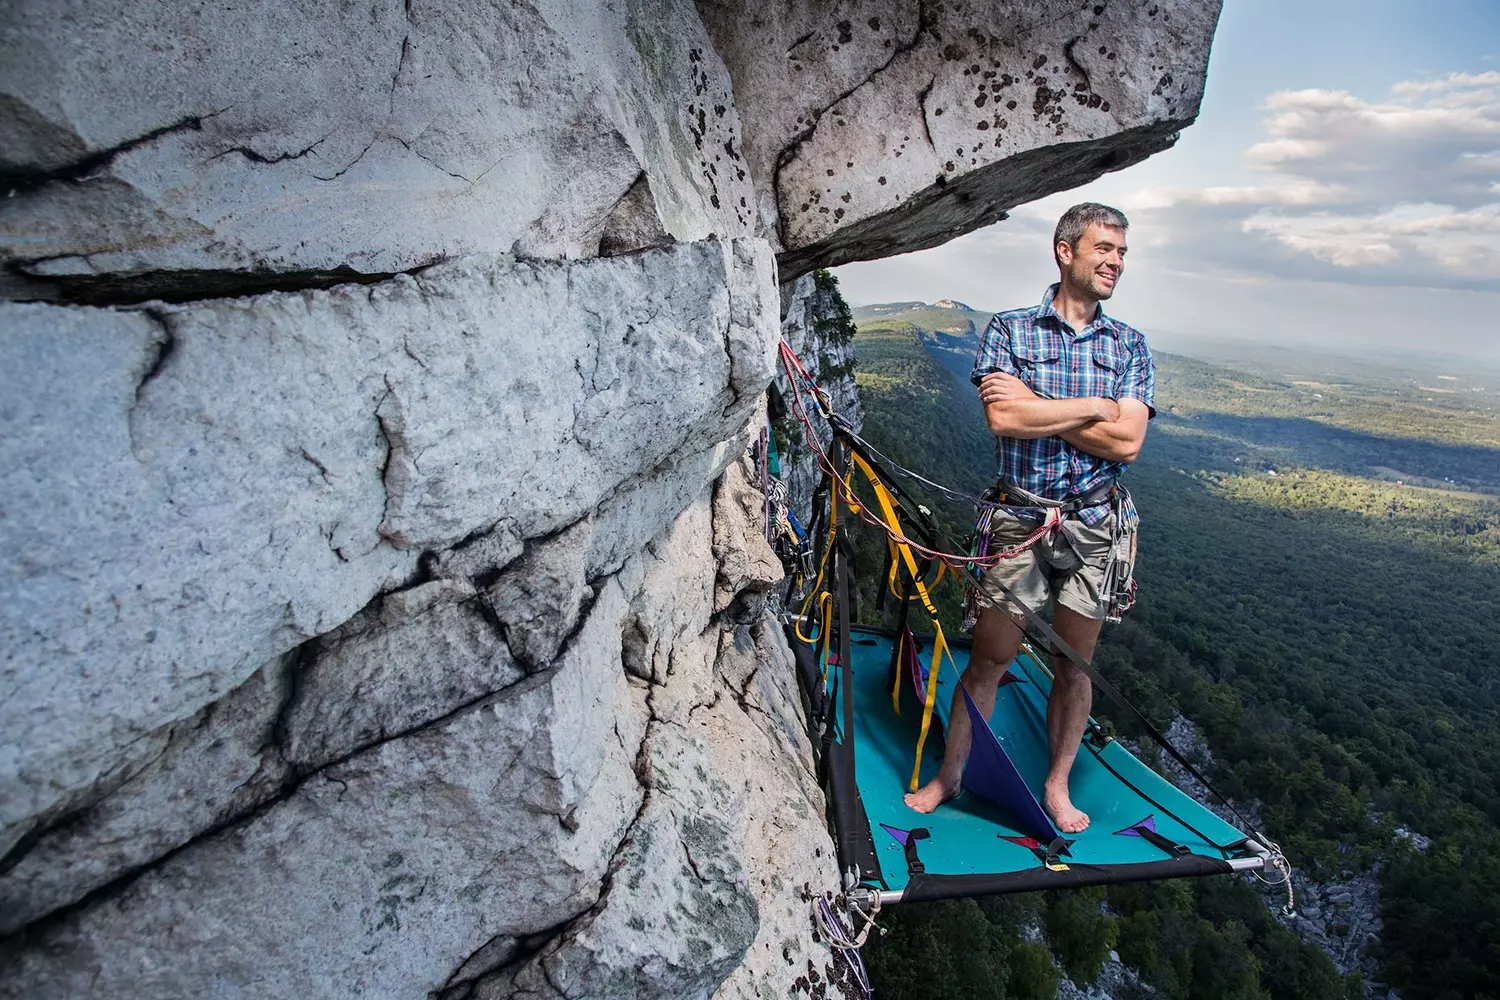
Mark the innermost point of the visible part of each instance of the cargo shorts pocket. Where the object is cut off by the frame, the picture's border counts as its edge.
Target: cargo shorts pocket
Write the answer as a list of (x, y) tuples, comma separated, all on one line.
[(1090, 543)]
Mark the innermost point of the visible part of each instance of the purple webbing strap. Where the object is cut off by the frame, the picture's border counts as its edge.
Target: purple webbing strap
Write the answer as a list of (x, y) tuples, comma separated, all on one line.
[(914, 668), (1132, 830), (901, 837)]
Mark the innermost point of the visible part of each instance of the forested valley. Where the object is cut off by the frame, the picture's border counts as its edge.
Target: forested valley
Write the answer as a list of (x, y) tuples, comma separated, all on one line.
[(1320, 595)]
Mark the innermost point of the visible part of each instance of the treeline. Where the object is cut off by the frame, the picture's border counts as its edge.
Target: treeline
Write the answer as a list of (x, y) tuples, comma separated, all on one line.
[(1187, 940)]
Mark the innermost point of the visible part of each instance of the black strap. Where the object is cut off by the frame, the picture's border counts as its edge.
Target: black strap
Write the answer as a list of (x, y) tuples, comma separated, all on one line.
[(914, 864), (1156, 840), (1162, 806), (841, 431), (817, 520), (885, 573), (846, 621), (825, 722)]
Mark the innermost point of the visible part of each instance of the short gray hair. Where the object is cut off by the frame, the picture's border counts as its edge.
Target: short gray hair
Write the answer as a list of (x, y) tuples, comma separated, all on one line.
[(1078, 218)]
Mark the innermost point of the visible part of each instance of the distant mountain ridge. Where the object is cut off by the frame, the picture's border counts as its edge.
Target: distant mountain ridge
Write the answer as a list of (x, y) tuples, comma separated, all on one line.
[(943, 316), (949, 329)]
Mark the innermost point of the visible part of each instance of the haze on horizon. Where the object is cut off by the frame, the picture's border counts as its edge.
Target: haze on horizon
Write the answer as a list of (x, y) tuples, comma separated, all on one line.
[(1339, 191)]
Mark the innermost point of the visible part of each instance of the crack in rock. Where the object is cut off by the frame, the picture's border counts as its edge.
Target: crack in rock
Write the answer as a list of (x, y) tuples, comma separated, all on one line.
[(163, 350), (547, 943), (255, 157), (687, 852), (400, 65), (1073, 61), (276, 746), (922, 107), (312, 460), (351, 164), (398, 470), (160, 352), (424, 157), (128, 288), (291, 785), (23, 182), (803, 135)]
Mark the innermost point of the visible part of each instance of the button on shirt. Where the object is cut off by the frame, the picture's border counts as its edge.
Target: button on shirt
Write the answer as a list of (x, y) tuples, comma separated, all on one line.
[(1106, 358)]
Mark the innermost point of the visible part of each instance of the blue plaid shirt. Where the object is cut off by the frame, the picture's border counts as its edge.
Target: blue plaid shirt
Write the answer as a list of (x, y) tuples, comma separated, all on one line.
[(1106, 358)]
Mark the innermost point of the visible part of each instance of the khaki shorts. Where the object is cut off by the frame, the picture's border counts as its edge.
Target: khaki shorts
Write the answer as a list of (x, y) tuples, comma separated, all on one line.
[(1066, 565)]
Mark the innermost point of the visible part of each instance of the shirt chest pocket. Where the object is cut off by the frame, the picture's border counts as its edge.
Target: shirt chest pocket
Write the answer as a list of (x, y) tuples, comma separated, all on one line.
[(1037, 361), (1107, 370)]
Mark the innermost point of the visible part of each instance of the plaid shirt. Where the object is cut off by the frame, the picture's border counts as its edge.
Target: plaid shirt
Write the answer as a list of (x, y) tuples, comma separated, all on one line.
[(1106, 358)]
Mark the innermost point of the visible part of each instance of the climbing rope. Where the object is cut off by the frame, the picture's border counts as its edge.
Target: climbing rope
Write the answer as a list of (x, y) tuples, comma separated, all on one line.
[(842, 937), (1279, 863), (894, 467)]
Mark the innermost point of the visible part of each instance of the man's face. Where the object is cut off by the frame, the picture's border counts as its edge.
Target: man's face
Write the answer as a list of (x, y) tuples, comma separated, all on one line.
[(1095, 266)]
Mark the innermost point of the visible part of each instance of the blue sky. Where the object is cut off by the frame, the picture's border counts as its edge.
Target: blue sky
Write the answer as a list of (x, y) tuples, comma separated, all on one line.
[(1341, 189)]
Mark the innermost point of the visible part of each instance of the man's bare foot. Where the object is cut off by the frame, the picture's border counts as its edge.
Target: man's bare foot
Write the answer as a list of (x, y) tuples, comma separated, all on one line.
[(1069, 818), (933, 794)]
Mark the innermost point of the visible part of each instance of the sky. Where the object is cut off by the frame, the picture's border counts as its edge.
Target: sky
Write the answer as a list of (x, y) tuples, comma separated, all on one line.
[(1340, 190)]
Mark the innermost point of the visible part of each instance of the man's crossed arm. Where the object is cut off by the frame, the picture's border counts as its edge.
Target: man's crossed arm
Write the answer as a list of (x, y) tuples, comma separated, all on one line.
[(1102, 427)]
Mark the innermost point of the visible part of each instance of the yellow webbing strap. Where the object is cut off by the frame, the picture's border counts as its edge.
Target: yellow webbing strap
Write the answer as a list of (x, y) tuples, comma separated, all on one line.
[(826, 606), (939, 641), (939, 650), (888, 509), (890, 581)]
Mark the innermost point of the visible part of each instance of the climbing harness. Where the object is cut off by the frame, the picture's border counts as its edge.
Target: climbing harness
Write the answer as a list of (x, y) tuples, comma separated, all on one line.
[(842, 431), (1119, 587)]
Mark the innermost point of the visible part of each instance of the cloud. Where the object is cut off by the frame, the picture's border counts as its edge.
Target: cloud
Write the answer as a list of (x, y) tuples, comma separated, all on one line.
[(1451, 82), (1401, 191)]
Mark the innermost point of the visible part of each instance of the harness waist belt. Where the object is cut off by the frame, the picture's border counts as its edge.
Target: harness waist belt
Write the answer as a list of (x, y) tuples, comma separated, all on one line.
[(1100, 494)]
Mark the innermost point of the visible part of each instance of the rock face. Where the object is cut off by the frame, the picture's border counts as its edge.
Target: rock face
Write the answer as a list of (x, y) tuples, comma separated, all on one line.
[(1343, 918), (382, 608), (262, 526), (882, 127), (463, 127), (817, 324), (517, 840)]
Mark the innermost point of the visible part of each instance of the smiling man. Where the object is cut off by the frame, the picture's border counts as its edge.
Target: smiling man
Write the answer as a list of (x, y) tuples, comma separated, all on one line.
[(1067, 392)]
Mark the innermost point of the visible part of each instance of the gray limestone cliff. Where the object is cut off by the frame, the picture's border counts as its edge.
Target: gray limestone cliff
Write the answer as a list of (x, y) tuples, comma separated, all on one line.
[(817, 324), (379, 551)]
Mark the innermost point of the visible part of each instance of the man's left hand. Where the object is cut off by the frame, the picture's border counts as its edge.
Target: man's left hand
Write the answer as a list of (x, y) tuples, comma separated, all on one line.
[(999, 386)]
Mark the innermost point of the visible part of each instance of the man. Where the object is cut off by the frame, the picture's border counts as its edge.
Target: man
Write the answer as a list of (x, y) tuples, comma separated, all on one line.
[(1067, 392)]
